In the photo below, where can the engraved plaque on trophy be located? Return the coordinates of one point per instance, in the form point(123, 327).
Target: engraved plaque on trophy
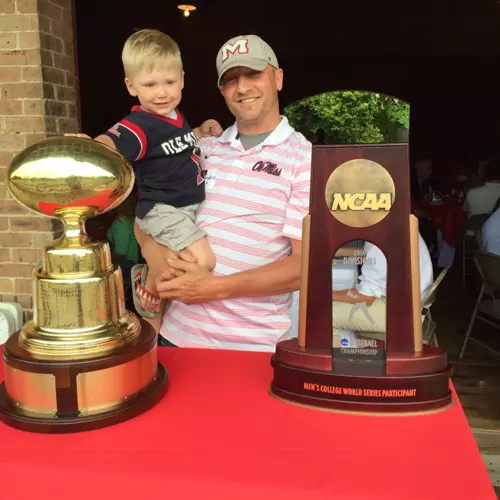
point(83, 362)
point(361, 193)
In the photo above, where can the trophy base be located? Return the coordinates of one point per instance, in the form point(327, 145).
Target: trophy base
point(411, 383)
point(64, 396)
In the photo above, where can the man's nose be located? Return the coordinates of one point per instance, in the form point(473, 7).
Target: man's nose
point(243, 84)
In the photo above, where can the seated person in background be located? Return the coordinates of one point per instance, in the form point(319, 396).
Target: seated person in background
point(371, 290)
point(482, 199)
point(478, 178)
point(420, 186)
point(121, 237)
point(490, 233)
point(420, 176)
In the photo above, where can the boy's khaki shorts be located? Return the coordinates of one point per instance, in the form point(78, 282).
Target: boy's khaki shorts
point(172, 227)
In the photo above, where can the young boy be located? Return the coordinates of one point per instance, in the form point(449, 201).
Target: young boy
point(157, 140)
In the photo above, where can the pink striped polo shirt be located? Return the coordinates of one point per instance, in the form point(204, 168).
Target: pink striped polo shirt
point(255, 202)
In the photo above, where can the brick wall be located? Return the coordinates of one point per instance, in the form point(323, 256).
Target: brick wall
point(38, 99)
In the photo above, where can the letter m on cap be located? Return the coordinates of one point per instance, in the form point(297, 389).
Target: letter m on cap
point(240, 46)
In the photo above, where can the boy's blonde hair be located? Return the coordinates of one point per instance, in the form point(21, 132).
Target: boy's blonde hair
point(148, 49)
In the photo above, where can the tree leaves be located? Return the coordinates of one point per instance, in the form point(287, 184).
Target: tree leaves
point(351, 117)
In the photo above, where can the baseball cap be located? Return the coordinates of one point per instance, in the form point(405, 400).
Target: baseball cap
point(249, 51)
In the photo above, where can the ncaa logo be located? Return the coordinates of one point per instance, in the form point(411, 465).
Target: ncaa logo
point(344, 342)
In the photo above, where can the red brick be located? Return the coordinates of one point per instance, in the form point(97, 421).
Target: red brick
point(10, 107)
point(25, 255)
point(4, 225)
point(34, 107)
point(29, 40)
point(18, 23)
point(6, 285)
point(53, 12)
point(7, 40)
point(10, 240)
point(32, 74)
point(11, 270)
point(7, 7)
point(21, 90)
point(12, 142)
point(31, 125)
point(5, 159)
point(8, 207)
point(23, 285)
point(25, 300)
point(30, 224)
point(26, 6)
point(30, 139)
point(4, 255)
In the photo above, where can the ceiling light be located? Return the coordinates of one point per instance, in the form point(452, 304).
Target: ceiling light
point(186, 9)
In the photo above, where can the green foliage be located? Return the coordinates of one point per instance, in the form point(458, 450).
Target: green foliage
point(351, 117)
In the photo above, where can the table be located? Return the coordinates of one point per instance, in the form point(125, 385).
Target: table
point(448, 219)
point(218, 434)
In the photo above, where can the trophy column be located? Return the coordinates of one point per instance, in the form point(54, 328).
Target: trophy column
point(83, 362)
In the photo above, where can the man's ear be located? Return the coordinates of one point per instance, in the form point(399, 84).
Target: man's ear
point(130, 87)
point(278, 74)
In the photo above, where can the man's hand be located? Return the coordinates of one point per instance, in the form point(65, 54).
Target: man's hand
point(352, 296)
point(210, 128)
point(84, 136)
point(188, 283)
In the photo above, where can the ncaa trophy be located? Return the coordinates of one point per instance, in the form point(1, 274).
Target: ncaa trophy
point(361, 193)
point(83, 362)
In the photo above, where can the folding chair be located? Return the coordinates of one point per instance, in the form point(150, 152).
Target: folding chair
point(428, 325)
point(488, 265)
point(470, 240)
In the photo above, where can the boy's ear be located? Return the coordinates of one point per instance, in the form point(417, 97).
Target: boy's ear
point(130, 87)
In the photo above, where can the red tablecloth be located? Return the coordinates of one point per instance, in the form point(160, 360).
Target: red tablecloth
point(218, 435)
point(448, 217)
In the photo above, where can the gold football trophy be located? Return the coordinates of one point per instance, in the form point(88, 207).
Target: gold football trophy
point(83, 362)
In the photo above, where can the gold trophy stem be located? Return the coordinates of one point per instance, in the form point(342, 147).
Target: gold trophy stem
point(74, 224)
point(415, 283)
point(304, 273)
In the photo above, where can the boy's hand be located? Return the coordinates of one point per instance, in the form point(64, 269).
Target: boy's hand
point(85, 136)
point(210, 128)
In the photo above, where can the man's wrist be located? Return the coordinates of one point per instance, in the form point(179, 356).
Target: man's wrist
point(218, 287)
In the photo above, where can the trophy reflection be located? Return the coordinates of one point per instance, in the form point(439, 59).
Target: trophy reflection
point(83, 362)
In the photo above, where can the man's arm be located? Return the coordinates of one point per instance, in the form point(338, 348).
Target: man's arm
point(195, 285)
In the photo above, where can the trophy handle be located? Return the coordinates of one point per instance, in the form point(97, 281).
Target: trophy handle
point(304, 274)
point(415, 283)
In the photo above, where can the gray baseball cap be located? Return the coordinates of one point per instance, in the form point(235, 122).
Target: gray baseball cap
point(249, 51)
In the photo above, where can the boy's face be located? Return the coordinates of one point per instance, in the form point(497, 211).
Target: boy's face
point(159, 90)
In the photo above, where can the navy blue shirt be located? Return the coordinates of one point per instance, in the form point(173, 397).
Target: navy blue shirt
point(165, 158)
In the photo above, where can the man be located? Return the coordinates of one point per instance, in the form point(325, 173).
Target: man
point(372, 291)
point(482, 199)
point(257, 193)
point(419, 178)
point(490, 233)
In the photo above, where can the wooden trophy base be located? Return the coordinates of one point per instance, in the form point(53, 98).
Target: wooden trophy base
point(65, 395)
point(409, 383)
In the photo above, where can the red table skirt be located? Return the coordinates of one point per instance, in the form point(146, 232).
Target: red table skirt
point(218, 434)
point(447, 217)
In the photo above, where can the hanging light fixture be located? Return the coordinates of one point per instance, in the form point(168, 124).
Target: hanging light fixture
point(186, 8)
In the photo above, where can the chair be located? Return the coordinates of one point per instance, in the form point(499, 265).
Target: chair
point(428, 325)
point(471, 239)
point(488, 266)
